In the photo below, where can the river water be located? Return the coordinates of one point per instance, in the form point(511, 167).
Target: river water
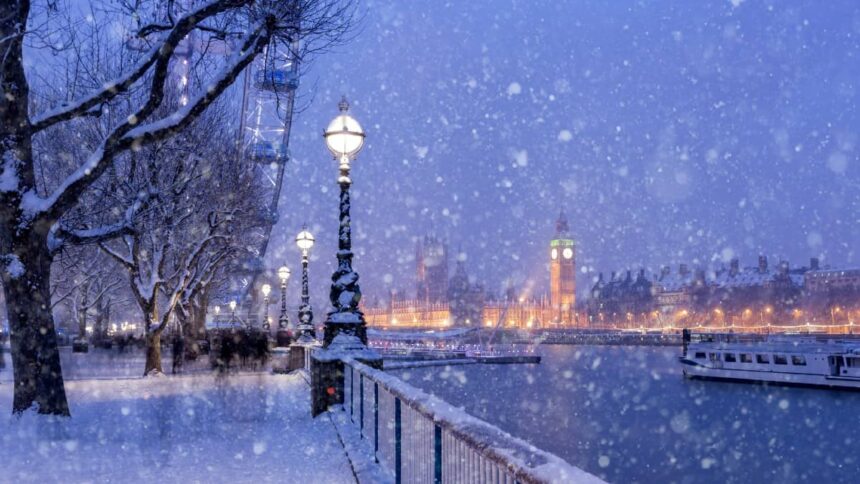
point(627, 414)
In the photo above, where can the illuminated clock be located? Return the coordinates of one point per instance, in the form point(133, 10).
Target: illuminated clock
point(554, 253)
point(568, 253)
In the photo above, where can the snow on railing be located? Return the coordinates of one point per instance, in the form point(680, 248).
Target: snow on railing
point(309, 351)
point(417, 437)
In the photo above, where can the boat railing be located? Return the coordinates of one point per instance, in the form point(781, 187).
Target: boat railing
point(727, 338)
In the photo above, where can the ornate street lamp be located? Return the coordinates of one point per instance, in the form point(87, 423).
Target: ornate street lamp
point(232, 311)
point(345, 331)
point(283, 335)
point(305, 327)
point(266, 289)
point(344, 139)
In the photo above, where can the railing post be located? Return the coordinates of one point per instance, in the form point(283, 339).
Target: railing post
point(437, 454)
point(351, 394)
point(361, 405)
point(397, 442)
point(375, 421)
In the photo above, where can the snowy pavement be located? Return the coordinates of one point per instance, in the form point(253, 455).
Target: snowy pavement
point(107, 364)
point(194, 428)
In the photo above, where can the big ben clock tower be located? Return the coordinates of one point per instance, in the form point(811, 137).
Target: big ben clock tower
point(562, 270)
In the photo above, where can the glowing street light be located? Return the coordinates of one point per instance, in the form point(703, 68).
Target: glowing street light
point(283, 335)
point(833, 311)
point(305, 328)
point(344, 138)
point(266, 289)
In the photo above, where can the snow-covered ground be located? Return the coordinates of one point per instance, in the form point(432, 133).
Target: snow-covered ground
point(106, 364)
point(252, 427)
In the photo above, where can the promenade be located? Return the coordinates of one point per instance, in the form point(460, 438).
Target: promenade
point(197, 427)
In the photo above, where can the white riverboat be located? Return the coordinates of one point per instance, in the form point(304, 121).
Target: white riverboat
point(781, 360)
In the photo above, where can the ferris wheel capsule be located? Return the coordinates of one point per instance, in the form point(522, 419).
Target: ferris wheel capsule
point(264, 152)
point(276, 80)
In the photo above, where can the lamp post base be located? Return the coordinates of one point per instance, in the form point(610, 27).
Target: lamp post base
point(283, 338)
point(327, 369)
point(353, 328)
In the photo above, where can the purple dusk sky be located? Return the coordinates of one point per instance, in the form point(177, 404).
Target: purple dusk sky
point(668, 131)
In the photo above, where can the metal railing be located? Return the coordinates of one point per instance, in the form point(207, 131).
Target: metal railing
point(419, 438)
point(308, 354)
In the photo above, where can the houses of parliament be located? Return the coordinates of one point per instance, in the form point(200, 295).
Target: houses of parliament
point(455, 301)
point(723, 297)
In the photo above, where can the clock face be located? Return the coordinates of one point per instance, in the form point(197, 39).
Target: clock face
point(554, 254)
point(568, 253)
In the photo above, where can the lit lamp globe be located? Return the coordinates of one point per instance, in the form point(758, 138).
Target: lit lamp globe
point(305, 241)
point(284, 273)
point(266, 290)
point(344, 136)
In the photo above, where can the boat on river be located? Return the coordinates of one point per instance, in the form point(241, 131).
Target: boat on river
point(782, 360)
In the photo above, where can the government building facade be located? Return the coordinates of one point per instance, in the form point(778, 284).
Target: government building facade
point(458, 301)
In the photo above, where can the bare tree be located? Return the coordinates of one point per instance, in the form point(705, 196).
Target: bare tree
point(203, 213)
point(92, 288)
point(157, 287)
point(32, 226)
point(232, 186)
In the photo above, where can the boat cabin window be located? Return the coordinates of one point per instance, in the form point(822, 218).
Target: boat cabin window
point(853, 362)
point(780, 360)
point(746, 358)
point(798, 360)
point(730, 357)
point(714, 356)
point(700, 355)
point(762, 359)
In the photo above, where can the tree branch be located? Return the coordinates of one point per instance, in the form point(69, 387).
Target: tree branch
point(174, 123)
point(123, 137)
point(121, 85)
point(123, 260)
point(61, 234)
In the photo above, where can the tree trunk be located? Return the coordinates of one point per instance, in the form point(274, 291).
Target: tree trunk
point(153, 353)
point(100, 327)
point(35, 355)
point(198, 314)
point(184, 318)
point(82, 313)
point(26, 262)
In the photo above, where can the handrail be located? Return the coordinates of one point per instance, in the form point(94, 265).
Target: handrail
point(484, 451)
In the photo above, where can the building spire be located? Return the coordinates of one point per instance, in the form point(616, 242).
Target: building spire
point(561, 226)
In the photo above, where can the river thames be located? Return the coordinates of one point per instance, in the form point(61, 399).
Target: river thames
point(627, 414)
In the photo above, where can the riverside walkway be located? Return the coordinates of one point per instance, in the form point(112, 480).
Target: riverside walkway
point(194, 427)
point(255, 427)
